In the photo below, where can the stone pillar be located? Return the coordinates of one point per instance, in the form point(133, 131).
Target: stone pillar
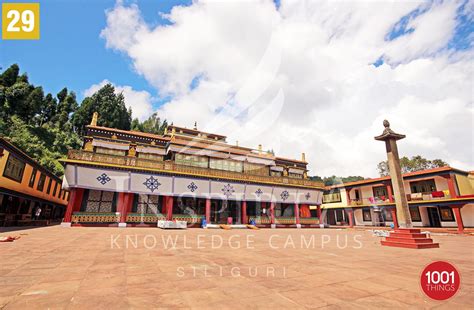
point(457, 215)
point(272, 214)
point(244, 212)
point(350, 214)
point(451, 185)
point(73, 205)
point(390, 138)
point(394, 217)
point(208, 210)
point(297, 215)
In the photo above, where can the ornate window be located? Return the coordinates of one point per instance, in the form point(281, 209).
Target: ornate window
point(227, 165)
point(14, 168)
point(191, 160)
point(103, 150)
point(446, 214)
point(55, 189)
point(295, 175)
point(31, 183)
point(48, 190)
point(99, 201)
point(256, 169)
point(425, 186)
point(41, 182)
point(380, 192)
point(150, 156)
point(146, 204)
point(276, 173)
point(332, 196)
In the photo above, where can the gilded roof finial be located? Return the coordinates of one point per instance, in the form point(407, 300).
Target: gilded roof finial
point(95, 116)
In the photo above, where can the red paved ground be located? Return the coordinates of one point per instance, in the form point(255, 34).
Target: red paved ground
point(55, 267)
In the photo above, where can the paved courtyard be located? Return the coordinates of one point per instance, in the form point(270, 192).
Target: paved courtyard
point(55, 267)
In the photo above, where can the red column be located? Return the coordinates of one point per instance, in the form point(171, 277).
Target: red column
point(394, 217)
point(272, 212)
point(390, 193)
point(74, 203)
point(350, 213)
point(319, 213)
point(208, 210)
point(244, 212)
point(457, 215)
point(169, 208)
point(124, 206)
point(452, 185)
point(297, 213)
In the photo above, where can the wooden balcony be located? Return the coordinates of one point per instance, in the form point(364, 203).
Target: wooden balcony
point(171, 167)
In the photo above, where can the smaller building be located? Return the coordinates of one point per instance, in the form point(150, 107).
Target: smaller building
point(440, 197)
point(26, 188)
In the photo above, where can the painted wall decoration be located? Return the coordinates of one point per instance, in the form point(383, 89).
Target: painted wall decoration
point(153, 184)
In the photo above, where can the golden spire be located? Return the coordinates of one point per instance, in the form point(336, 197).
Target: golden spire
point(95, 116)
point(303, 157)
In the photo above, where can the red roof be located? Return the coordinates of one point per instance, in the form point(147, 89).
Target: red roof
point(409, 174)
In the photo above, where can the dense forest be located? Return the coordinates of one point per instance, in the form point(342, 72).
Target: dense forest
point(46, 126)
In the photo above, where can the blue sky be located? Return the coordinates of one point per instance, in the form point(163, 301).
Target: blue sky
point(328, 71)
point(71, 53)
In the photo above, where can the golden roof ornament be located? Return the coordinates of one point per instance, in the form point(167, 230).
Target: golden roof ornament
point(95, 116)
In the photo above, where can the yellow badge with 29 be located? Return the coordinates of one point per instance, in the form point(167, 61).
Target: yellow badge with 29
point(20, 21)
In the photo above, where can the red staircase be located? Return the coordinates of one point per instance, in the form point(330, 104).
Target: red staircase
point(410, 238)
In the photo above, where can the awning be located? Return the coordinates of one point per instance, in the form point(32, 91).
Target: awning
point(262, 161)
point(276, 168)
point(297, 171)
point(110, 145)
point(151, 150)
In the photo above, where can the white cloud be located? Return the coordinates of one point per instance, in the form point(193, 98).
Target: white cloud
point(300, 79)
point(139, 101)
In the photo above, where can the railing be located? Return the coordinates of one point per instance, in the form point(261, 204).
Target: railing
point(94, 217)
point(144, 218)
point(169, 166)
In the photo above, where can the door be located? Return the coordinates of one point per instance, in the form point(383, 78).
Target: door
point(331, 216)
point(433, 216)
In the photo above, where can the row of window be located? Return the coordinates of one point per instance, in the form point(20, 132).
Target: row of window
point(15, 168)
point(445, 214)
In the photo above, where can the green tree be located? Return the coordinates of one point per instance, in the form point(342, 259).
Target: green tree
point(151, 125)
point(34, 122)
point(333, 180)
point(415, 163)
point(110, 106)
point(9, 76)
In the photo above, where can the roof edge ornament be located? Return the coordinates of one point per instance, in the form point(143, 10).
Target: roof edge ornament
point(389, 134)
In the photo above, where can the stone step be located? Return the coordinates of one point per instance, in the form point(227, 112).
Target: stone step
point(405, 235)
point(410, 245)
point(409, 240)
point(407, 230)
